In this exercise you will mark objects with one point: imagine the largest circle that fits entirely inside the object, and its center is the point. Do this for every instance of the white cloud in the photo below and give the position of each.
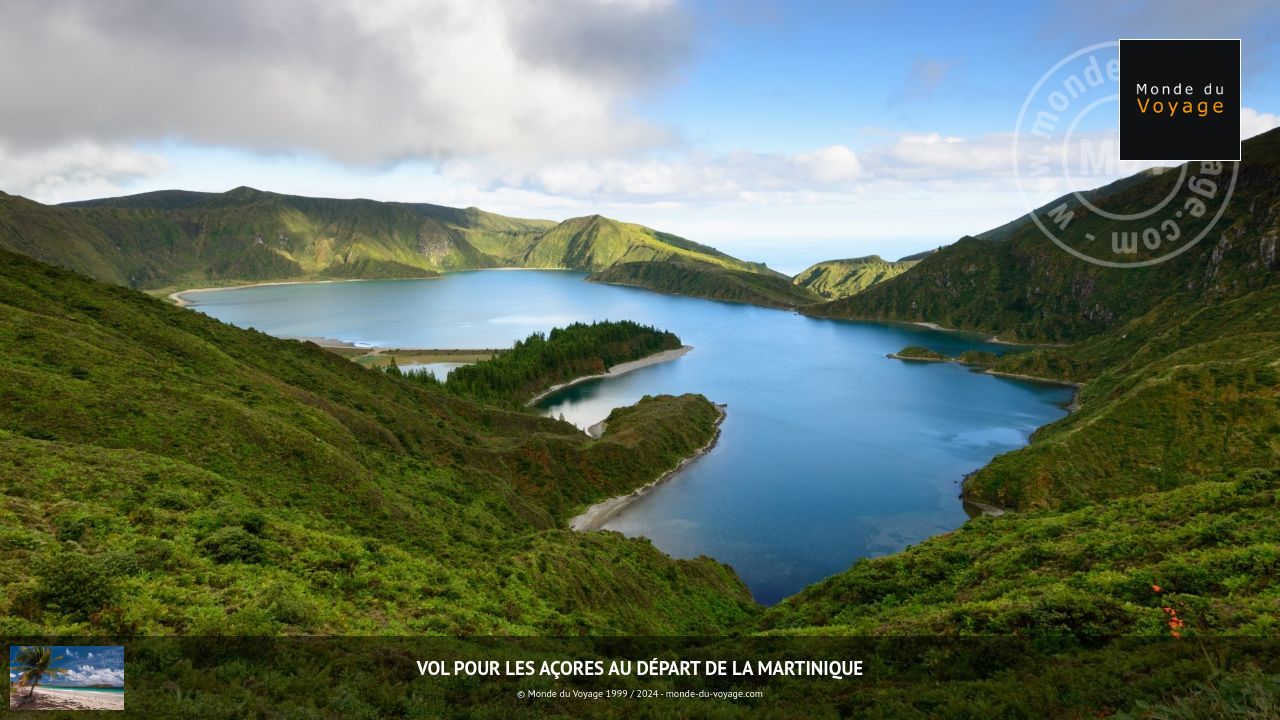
(90, 675)
(75, 170)
(693, 177)
(1253, 122)
(830, 165)
(364, 83)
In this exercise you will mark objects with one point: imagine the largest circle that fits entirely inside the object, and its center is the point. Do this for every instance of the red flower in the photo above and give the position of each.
(1156, 588)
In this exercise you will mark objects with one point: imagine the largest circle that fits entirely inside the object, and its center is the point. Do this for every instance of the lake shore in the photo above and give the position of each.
(180, 301)
(595, 517)
(1073, 406)
(989, 338)
(616, 370)
(60, 699)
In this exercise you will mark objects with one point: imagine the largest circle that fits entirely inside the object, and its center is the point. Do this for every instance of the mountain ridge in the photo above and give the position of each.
(179, 238)
(1013, 282)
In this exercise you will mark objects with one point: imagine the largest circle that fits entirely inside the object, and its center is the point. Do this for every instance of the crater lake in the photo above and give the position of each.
(829, 452)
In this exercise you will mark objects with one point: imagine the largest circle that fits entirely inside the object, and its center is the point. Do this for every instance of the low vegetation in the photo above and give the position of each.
(162, 472)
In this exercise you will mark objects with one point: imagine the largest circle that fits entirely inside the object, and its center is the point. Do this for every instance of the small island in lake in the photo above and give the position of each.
(919, 354)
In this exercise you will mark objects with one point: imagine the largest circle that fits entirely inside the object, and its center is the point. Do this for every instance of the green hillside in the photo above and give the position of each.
(1165, 475)
(1171, 398)
(165, 473)
(1148, 512)
(595, 243)
(706, 280)
(832, 279)
(177, 238)
(1025, 288)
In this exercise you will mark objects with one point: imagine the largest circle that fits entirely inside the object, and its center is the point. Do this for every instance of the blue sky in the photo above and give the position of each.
(84, 665)
(782, 131)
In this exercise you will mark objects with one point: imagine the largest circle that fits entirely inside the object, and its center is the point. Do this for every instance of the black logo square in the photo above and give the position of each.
(1179, 99)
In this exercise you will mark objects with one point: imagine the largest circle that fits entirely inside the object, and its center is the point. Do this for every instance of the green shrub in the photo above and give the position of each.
(253, 521)
(74, 527)
(173, 499)
(233, 544)
(119, 563)
(18, 538)
(74, 584)
(153, 554)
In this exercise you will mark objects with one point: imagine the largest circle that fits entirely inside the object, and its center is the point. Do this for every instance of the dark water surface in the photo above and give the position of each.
(830, 451)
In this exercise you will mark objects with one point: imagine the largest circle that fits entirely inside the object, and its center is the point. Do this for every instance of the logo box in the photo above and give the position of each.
(1180, 100)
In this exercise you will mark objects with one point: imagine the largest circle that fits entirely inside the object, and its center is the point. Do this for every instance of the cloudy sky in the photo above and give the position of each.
(781, 131)
(82, 665)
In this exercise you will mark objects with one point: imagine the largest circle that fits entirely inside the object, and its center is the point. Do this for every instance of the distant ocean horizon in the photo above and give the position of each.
(118, 690)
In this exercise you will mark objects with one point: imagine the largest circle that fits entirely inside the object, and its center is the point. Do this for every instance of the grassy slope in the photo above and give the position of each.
(595, 243)
(193, 477)
(705, 280)
(832, 279)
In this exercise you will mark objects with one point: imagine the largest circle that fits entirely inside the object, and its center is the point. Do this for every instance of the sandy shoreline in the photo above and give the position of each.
(990, 338)
(1073, 406)
(983, 508)
(60, 699)
(1033, 378)
(180, 301)
(616, 370)
(594, 517)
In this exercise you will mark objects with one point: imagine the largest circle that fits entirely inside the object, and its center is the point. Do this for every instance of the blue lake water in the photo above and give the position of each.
(830, 451)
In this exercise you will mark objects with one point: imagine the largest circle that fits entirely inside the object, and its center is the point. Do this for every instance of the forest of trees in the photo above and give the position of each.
(544, 359)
